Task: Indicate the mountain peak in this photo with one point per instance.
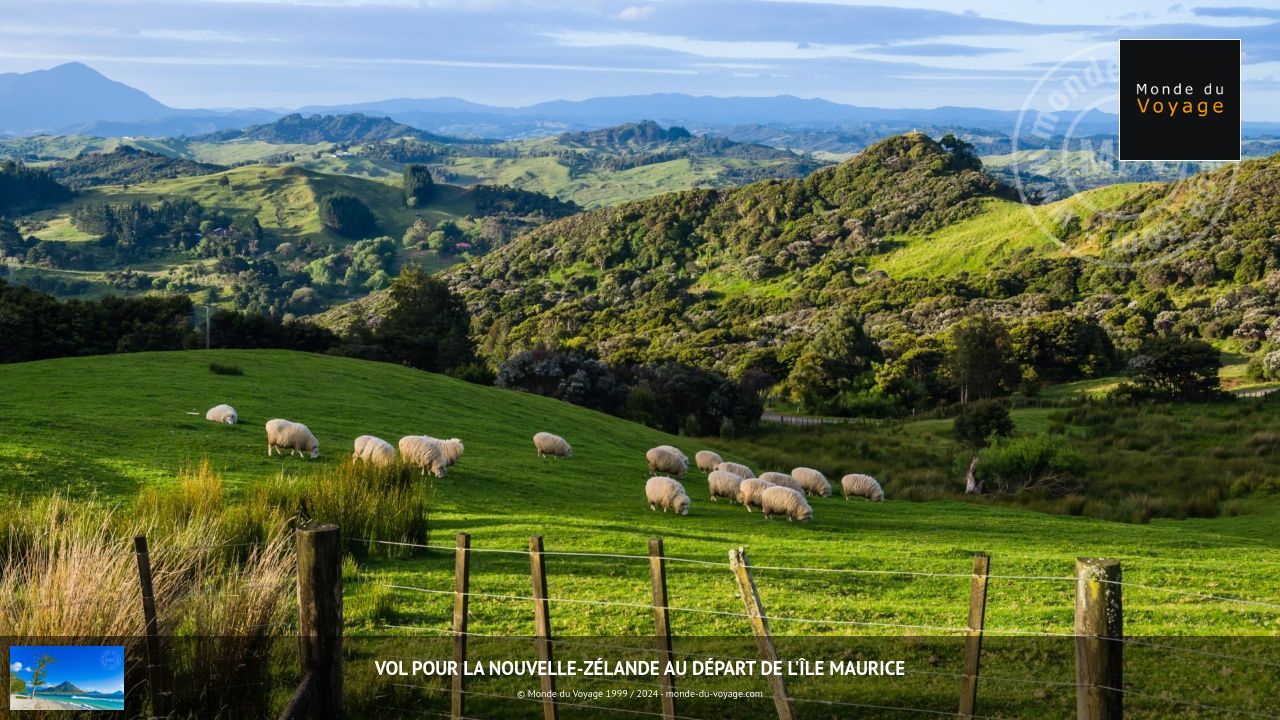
(69, 94)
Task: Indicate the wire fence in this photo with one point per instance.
(781, 619)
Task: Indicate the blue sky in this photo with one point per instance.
(909, 53)
(82, 666)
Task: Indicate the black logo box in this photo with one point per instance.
(1180, 65)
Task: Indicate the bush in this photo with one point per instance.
(220, 369)
(1035, 463)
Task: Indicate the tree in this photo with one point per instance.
(418, 186)
(974, 427)
(1174, 368)
(839, 353)
(40, 672)
(428, 326)
(980, 358)
(16, 685)
(347, 215)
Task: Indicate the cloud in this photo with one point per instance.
(635, 12)
(16, 667)
(936, 50)
(1236, 12)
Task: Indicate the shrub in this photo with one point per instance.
(1033, 463)
(220, 369)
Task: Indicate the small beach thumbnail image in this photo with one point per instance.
(66, 677)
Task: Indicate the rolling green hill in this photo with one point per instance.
(909, 236)
(106, 426)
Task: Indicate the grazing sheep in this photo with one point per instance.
(552, 445)
(785, 501)
(452, 450)
(424, 453)
(723, 484)
(222, 414)
(863, 486)
(666, 459)
(738, 469)
(783, 479)
(295, 437)
(813, 482)
(707, 460)
(749, 492)
(668, 494)
(677, 451)
(373, 450)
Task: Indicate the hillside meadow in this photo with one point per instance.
(103, 428)
(123, 436)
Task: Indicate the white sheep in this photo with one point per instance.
(424, 453)
(783, 479)
(666, 493)
(373, 450)
(552, 445)
(452, 450)
(723, 484)
(222, 414)
(813, 482)
(785, 501)
(749, 491)
(666, 459)
(295, 437)
(707, 460)
(677, 451)
(863, 486)
(738, 469)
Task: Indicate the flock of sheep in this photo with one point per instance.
(775, 493)
(426, 453)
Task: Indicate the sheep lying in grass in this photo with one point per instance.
(785, 501)
(222, 414)
(452, 450)
(813, 482)
(707, 460)
(373, 450)
(749, 491)
(295, 437)
(666, 459)
(783, 479)
(738, 469)
(723, 485)
(424, 453)
(663, 492)
(552, 445)
(863, 486)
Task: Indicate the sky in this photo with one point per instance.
(90, 668)
(903, 53)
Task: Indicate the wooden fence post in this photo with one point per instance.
(1099, 640)
(662, 626)
(973, 636)
(760, 627)
(320, 618)
(461, 586)
(160, 699)
(542, 626)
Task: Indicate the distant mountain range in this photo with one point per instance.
(346, 128)
(76, 99)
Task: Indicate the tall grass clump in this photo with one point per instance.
(369, 503)
(68, 570)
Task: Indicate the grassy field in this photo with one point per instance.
(116, 430)
(1003, 229)
(105, 427)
